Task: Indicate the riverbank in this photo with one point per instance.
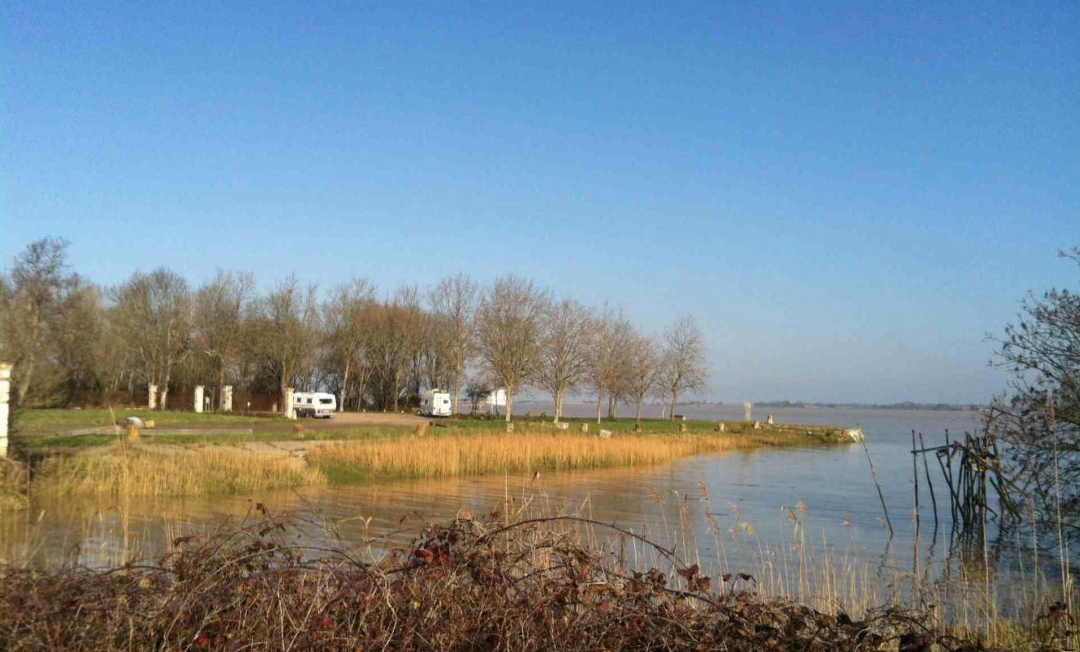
(522, 582)
(214, 463)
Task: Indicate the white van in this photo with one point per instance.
(436, 403)
(314, 404)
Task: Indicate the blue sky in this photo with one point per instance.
(848, 197)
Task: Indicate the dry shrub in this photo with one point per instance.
(141, 471)
(467, 585)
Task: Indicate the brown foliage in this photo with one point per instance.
(468, 585)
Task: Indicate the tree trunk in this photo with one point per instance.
(25, 370)
(674, 396)
(220, 384)
(611, 406)
(639, 411)
(396, 376)
(163, 391)
(344, 386)
(558, 405)
(282, 384)
(509, 402)
(599, 402)
(455, 389)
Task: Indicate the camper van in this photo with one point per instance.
(436, 403)
(314, 404)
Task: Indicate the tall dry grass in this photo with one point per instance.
(138, 471)
(478, 454)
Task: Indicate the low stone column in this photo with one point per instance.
(226, 398)
(200, 393)
(151, 397)
(5, 394)
(288, 407)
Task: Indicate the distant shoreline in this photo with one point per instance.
(906, 405)
(803, 405)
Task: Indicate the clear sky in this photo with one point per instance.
(849, 197)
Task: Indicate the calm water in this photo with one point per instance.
(747, 495)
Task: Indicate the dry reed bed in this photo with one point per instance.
(478, 454)
(521, 585)
(175, 471)
(140, 472)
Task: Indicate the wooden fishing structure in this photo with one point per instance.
(971, 469)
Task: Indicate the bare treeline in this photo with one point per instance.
(69, 339)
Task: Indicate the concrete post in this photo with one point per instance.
(151, 397)
(226, 398)
(288, 407)
(5, 394)
(200, 392)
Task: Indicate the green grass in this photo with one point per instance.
(46, 420)
(219, 439)
(462, 424)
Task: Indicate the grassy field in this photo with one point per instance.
(210, 462)
(626, 425)
(54, 420)
(211, 438)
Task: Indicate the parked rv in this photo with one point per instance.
(314, 404)
(436, 403)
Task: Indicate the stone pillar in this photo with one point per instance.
(151, 397)
(200, 392)
(288, 407)
(5, 394)
(226, 398)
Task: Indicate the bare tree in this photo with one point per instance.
(219, 310)
(684, 364)
(34, 297)
(1038, 418)
(397, 344)
(508, 328)
(288, 331)
(565, 343)
(346, 331)
(155, 316)
(612, 335)
(643, 371)
(453, 301)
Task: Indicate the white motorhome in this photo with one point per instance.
(436, 403)
(314, 404)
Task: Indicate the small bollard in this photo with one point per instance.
(510, 427)
(637, 427)
(720, 427)
(605, 434)
(769, 420)
(757, 425)
(562, 425)
(584, 427)
(682, 426)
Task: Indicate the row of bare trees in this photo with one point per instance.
(70, 338)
